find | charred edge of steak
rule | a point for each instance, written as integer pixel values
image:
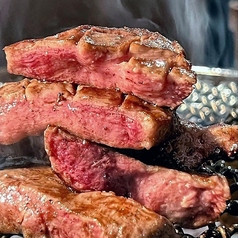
(189, 147)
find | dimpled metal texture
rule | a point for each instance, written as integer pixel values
(213, 100)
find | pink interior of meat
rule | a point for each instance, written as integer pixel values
(137, 62)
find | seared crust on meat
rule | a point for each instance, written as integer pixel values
(104, 116)
(34, 202)
(226, 137)
(136, 61)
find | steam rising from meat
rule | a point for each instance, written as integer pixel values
(174, 24)
(200, 26)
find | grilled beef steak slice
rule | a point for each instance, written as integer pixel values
(136, 61)
(188, 199)
(36, 203)
(104, 116)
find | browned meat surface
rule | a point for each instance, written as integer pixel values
(188, 199)
(104, 116)
(36, 203)
(226, 137)
(136, 61)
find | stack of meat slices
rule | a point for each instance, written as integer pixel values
(96, 89)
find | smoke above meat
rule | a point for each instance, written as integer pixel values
(202, 29)
(106, 101)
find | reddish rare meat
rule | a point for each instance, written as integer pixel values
(35, 202)
(136, 61)
(104, 116)
(188, 199)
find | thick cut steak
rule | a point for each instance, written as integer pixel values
(136, 61)
(35, 202)
(104, 116)
(188, 199)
